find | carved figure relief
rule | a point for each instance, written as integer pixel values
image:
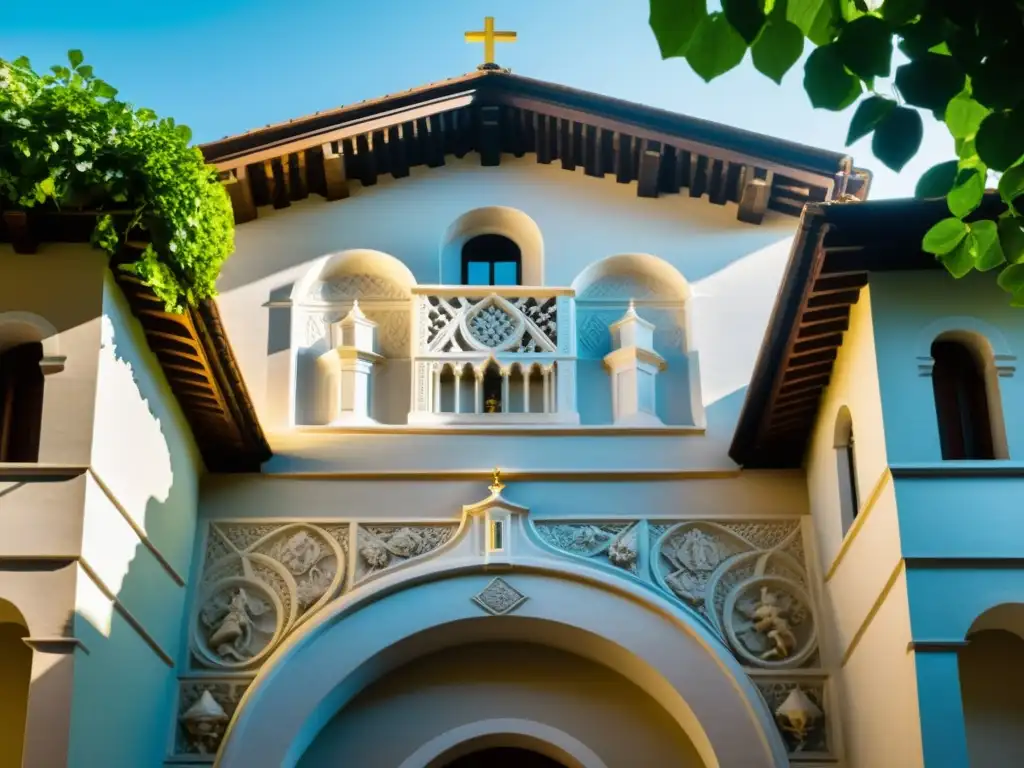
(748, 581)
(618, 543)
(381, 546)
(259, 582)
(204, 710)
(460, 324)
(798, 709)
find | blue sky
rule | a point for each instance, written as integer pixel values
(225, 66)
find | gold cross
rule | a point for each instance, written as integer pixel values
(489, 37)
(496, 485)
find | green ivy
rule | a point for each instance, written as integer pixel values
(67, 143)
(966, 68)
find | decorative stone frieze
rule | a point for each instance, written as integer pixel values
(615, 543)
(499, 597)
(259, 581)
(205, 707)
(383, 546)
(800, 713)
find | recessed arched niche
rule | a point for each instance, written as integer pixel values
(659, 294)
(498, 222)
(365, 284)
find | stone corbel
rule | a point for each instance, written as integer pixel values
(52, 364)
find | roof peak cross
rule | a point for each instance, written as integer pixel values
(489, 37)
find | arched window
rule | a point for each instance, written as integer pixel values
(961, 401)
(21, 402)
(846, 468)
(491, 260)
(15, 679)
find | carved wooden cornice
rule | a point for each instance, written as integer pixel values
(496, 113)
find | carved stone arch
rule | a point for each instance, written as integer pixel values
(25, 327)
(493, 220)
(363, 636)
(605, 288)
(359, 273)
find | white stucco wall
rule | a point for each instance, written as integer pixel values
(141, 502)
(446, 690)
(732, 268)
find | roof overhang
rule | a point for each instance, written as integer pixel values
(493, 112)
(836, 248)
(192, 348)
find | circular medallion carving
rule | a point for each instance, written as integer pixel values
(767, 620)
(238, 623)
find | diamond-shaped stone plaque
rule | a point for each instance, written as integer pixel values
(498, 598)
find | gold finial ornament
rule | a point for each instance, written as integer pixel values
(489, 37)
(496, 485)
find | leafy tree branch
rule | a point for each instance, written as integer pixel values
(67, 143)
(966, 68)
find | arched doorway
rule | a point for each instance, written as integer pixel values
(15, 678)
(504, 757)
(683, 671)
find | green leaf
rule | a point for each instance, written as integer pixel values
(75, 57)
(1011, 183)
(964, 115)
(674, 23)
(930, 81)
(962, 259)
(716, 48)
(184, 132)
(746, 17)
(869, 113)
(944, 236)
(998, 81)
(103, 90)
(865, 46)
(815, 18)
(62, 72)
(999, 140)
(146, 115)
(85, 71)
(1011, 279)
(48, 186)
(900, 12)
(967, 192)
(990, 252)
(22, 62)
(937, 180)
(778, 48)
(827, 82)
(1011, 237)
(898, 137)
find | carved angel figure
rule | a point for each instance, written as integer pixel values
(698, 551)
(231, 623)
(770, 616)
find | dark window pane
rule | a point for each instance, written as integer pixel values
(961, 402)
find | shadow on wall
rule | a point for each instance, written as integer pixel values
(126, 600)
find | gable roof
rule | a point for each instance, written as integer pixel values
(836, 249)
(492, 112)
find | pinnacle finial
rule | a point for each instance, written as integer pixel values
(496, 485)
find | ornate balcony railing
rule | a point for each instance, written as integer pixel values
(494, 355)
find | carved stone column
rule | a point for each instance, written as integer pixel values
(352, 361)
(634, 366)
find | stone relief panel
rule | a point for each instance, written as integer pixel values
(614, 543)
(384, 546)
(205, 708)
(798, 707)
(259, 581)
(466, 323)
(595, 339)
(393, 329)
(747, 580)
